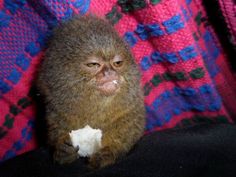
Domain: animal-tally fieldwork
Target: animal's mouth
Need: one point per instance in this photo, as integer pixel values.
(108, 87)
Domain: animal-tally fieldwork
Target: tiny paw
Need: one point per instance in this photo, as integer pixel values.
(65, 153)
(102, 158)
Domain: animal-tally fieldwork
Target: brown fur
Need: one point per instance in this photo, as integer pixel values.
(73, 102)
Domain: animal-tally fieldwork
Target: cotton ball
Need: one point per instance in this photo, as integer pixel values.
(87, 139)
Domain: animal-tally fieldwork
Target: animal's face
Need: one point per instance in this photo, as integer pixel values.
(89, 60)
(105, 75)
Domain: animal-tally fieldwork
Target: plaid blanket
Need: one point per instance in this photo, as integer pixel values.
(186, 76)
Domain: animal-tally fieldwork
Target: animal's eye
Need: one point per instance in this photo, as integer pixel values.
(118, 63)
(93, 65)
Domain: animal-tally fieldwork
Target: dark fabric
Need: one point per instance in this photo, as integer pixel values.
(201, 151)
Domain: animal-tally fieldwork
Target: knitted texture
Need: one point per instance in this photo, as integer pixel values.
(228, 8)
(185, 75)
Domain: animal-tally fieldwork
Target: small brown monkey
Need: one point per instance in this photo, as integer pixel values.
(89, 77)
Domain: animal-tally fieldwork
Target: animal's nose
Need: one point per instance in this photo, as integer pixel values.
(107, 71)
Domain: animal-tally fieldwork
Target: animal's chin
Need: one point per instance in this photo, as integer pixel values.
(108, 88)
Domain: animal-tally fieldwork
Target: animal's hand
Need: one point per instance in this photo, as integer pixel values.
(64, 152)
(102, 158)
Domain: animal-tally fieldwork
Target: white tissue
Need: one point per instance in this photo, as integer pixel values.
(87, 139)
